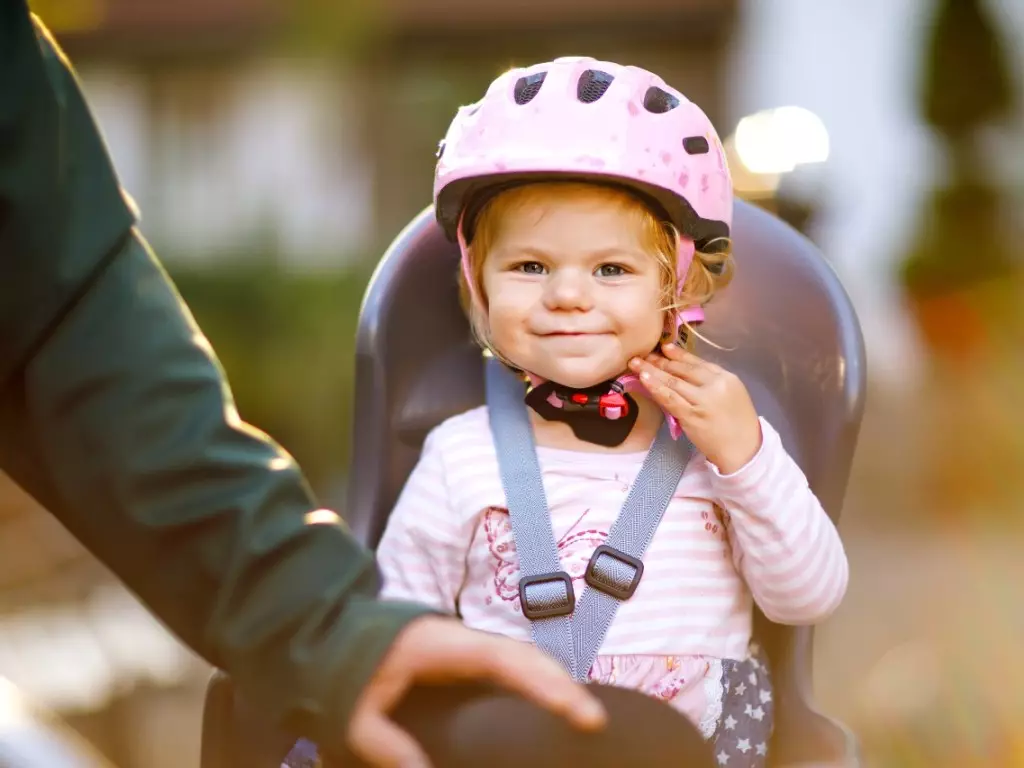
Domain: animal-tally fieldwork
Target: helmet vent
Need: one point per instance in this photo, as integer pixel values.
(659, 101)
(696, 145)
(528, 87)
(592, 85)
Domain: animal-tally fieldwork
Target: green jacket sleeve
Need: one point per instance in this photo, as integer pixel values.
(115, 415)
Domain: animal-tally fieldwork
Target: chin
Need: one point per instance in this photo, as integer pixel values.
(581, 376)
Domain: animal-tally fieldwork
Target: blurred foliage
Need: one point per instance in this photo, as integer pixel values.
(967, 81)
(287, 343)
(338, 28)
(960, 240)
(63, 16)
(966, 87)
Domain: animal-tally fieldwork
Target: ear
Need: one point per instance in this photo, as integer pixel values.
(676, 325)
(674, 330)
(669, 330)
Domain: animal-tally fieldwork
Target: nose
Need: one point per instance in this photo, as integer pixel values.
(568, 290)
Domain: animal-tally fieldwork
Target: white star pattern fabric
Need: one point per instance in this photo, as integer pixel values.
(303, 755)
(745, 727)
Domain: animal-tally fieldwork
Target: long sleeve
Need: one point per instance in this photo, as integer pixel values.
(422, 554)
(784, 544)
(62, 212)
(115, 415)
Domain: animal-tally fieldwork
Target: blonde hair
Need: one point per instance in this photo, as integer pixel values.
(708, 273)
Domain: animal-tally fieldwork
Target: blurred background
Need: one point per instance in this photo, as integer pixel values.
(276, 147)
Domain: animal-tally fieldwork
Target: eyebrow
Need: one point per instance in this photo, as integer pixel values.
(540, 253)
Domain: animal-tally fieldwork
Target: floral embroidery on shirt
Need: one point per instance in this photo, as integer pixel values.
(716, 521)
(709, 525)
(574, 550)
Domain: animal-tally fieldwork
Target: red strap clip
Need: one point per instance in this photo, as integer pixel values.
(613, 405)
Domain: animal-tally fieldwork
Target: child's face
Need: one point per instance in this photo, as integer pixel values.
(572, 295)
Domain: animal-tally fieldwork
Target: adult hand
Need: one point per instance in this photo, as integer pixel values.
(434, 649)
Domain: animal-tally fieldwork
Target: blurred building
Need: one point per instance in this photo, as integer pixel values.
(235, 139)
(306, 130)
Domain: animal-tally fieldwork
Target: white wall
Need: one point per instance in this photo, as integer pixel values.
(269, 152)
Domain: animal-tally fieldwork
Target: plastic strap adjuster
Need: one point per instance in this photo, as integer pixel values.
(614, 572)
(547, 595)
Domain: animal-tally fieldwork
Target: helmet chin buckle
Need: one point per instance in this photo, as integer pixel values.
(603, 414)
(610, 405)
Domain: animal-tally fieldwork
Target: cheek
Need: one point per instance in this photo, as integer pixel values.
(642, 314)
(648, 330)
(507, 313)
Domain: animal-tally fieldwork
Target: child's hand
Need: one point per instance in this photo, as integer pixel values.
(711, 405)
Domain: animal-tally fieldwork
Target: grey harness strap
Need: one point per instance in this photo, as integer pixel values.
(545, 590)
(546, 593)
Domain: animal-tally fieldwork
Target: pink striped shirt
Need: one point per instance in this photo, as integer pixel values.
(725, 542)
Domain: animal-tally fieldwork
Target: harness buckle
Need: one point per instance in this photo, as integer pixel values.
(614, 572)
(547, 595)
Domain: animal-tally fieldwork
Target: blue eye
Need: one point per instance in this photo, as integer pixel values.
(611, 270)
(531, 268)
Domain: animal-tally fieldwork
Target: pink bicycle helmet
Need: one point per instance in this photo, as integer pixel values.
(582, 118)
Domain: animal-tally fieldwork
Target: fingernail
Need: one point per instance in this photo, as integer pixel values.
(645, 376)
(634, 362)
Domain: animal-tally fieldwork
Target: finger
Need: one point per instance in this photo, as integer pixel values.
(681, 370)
(673, 403)
(665, 390)
(655, 378)
(657, 366)
(525, 670)
(678, 354)
(691, 368)
(381, 743)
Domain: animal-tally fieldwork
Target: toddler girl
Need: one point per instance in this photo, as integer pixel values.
(593, 205)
